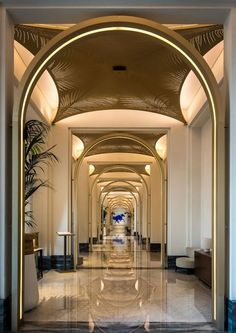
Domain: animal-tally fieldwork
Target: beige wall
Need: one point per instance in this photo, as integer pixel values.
(177, 190)
(206, 181)
(188, 189)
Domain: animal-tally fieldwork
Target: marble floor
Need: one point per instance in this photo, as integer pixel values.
(106, 254)
(122, 296)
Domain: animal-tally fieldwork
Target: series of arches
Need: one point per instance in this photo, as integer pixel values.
(39, 64)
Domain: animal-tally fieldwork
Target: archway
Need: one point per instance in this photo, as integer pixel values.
(120, 200)
(159, 162)
(148, 204)
(205, 76)
(127, 186)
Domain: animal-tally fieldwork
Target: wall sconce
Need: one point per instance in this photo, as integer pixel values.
(77, 147)
(148, 169)
(161, 147)
(91, 169)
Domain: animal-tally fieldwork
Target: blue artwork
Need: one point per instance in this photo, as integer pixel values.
(118, 218)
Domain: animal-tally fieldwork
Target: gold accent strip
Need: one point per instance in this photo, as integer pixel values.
(209, 94)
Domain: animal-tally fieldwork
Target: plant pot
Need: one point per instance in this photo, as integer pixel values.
(31, 292)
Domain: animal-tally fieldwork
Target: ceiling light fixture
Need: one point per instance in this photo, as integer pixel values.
(119, 68)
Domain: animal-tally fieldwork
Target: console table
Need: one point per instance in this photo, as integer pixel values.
(65, 234)
(203, 266)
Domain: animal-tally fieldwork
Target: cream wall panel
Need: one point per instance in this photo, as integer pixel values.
(156, 204)
(206, 181)
(177, 190)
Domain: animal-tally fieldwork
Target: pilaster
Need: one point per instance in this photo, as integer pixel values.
(230, 83)
(6, 106)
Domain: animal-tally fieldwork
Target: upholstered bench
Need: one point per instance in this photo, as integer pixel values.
(187, 262)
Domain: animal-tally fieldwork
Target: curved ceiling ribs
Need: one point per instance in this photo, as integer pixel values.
(120, 145)
(149, 76)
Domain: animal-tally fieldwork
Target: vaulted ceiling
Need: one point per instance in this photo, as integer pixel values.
(119, 168)
(118, 70)
(120, 142)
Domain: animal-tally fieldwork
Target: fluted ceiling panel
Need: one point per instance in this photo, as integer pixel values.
(119, 143)
(138, 168)
(118, 70)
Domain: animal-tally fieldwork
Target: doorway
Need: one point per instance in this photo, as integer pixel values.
(205, 79)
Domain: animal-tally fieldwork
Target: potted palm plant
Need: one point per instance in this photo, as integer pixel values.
(37, 157)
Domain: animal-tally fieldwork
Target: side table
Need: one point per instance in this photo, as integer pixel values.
(65, 234)
(203, 266)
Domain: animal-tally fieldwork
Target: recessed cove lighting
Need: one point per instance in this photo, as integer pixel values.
(148, 169)
(91, 168)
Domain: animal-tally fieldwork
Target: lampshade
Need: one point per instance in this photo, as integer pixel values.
(207, 243)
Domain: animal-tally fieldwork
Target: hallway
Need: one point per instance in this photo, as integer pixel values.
(131, 115)
(120, 251)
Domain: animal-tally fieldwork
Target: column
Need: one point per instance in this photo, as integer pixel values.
(6, 106)
(230, 81)
(194, 187)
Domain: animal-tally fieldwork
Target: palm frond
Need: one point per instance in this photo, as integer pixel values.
(29, 218)
(37, 156)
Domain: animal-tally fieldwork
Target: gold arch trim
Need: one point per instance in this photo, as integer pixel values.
(37, 66)
(114, 167)
(118, 181)
(120, 136)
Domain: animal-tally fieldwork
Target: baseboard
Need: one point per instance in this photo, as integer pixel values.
(5, 314)
(155, 247)
(57, 262)
(231, 314)
(84, 247)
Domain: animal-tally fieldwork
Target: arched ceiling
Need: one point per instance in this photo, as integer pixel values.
(118, 70)
(138, 168)
(120, 199)
(120, 145)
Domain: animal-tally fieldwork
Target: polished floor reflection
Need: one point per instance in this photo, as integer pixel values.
(121, 297)
(128, 296)
(119, 251)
